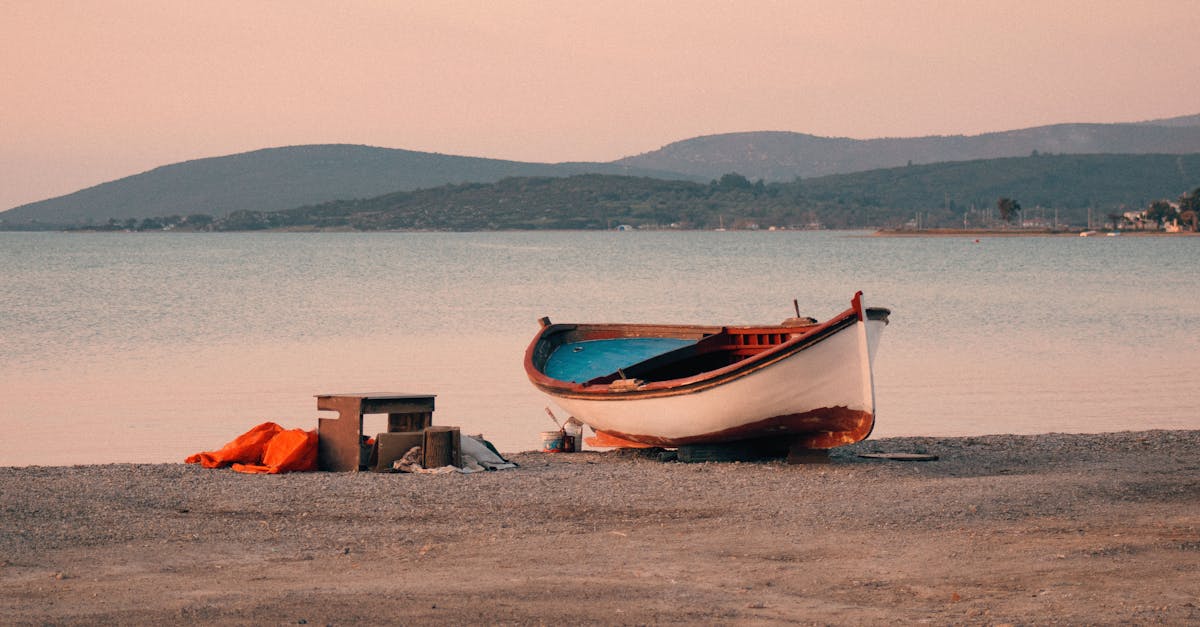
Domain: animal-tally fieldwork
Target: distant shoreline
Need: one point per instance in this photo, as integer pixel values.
(1020, 233)
(864, 232)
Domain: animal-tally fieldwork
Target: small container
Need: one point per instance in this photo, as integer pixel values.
(552, 441)
(572, 437)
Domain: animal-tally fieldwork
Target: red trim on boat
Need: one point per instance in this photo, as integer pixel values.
(821, 428)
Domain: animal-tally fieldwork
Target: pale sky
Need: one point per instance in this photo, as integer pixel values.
(91, 91)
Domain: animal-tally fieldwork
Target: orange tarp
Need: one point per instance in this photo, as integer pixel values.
(267, 448)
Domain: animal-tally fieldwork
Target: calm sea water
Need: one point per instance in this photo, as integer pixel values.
(148, 347)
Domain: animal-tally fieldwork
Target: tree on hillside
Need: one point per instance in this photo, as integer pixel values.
(1161, 212)
(198, 220)
(1189, 208)
(733, 180)
(1009, 209)
(1189, 217)
(1190, 200)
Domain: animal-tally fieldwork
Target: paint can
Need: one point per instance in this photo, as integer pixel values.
(552, 441)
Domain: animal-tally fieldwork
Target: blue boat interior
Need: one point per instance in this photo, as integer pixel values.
(583, 361)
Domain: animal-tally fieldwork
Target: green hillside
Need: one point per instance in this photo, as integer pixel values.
(277, 179)
(942, 193)
(281, 178)
(1069, 183)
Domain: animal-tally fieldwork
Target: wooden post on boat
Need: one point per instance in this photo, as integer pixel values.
(442, 447)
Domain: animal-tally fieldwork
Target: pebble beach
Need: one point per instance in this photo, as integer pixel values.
(1056, 528)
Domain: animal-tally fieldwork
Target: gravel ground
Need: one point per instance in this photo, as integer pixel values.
(1000, 529)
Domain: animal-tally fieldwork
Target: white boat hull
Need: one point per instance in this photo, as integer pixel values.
(822, 395)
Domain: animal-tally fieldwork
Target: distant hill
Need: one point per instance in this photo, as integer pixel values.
(783, 156)
(946, 194)
(275, 179)
(1185, 120)
(281, 178)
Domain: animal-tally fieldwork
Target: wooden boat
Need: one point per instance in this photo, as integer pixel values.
(677, 385)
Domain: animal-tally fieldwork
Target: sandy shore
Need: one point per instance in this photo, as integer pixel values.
(1001, 529)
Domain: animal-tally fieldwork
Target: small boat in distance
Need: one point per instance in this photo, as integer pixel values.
(809, 383)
